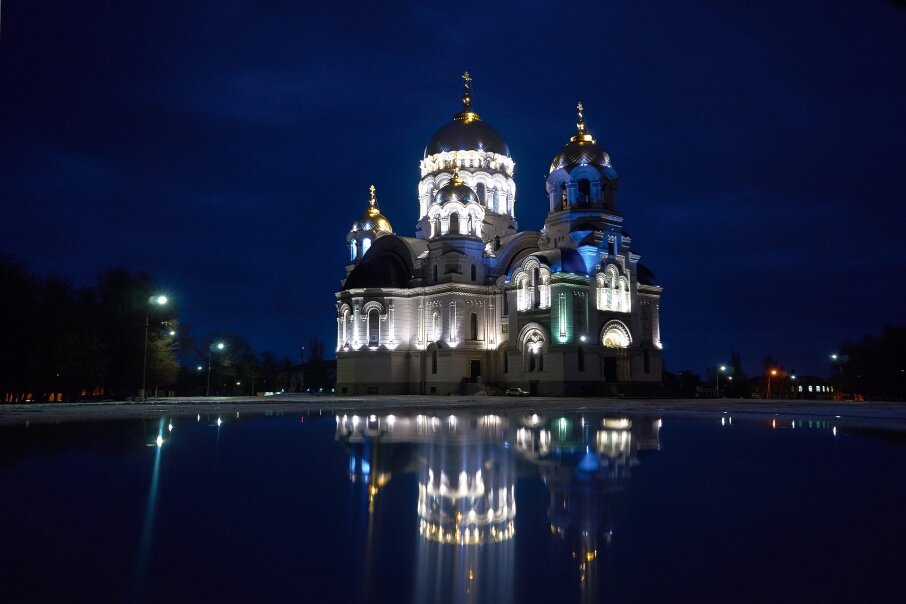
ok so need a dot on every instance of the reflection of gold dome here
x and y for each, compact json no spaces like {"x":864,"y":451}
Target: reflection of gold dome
{"x":372,"y":219}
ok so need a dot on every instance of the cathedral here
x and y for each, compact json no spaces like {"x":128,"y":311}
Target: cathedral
{"x":471,"y":303}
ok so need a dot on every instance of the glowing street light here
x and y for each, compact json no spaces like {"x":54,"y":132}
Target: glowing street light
{"x":721,"y":369}
{"x":153,"y":301}
{"x":218,"y":346}
{"x":772,"y":373}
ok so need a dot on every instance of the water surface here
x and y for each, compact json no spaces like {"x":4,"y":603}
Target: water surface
{"x":470,"y":507}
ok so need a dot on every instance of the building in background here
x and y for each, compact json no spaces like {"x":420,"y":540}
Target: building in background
{"x":471,"y":303}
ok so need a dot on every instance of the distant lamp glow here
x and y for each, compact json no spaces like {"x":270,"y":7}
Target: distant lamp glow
{"x":160,"y":440}
{"x":773,"y":372}
{"x":219,"y":422}
{"x":160,"y":300}
{"x":170,"y":427}
{"x":723,"y":367}
{"x":834,"y":357}
{"x":172,"y":333}
{"x":220,"y":345}
{"x":200,"y":368}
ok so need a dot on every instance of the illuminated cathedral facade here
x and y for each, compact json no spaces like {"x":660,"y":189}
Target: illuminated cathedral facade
{"x":471,"y":303}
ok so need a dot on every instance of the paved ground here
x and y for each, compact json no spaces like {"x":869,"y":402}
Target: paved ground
{"x":870,"y":415}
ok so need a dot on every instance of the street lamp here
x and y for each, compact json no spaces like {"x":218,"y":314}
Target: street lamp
{"x":153,"y":301}
{"x":717,"y":380}
{"x":218,"y":346}
{"x":771,"y":374}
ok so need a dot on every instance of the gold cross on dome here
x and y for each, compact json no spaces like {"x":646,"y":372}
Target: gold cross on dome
{"x":372,"y":200}
{"x":467,"y":78}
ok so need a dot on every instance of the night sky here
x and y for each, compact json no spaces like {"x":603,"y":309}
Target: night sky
{"x":225,"y":147}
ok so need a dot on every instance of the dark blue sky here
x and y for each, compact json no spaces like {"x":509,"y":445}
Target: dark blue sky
{"x":226,"y":146}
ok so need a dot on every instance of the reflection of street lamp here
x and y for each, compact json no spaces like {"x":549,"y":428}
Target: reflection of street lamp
{"x":153,"y":301}
{"x":218,"y":346}
{"x":717,"y":380}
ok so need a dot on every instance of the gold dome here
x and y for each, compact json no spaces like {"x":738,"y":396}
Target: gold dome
{"x":372,"y":219}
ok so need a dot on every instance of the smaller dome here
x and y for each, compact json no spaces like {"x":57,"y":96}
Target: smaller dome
{"x":581,"y":150}
{"x":580,"y":153}
{"x":372,"y":219}
{"x":456,"y":190}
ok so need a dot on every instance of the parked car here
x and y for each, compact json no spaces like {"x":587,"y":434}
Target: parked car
{"x":516,"y":392}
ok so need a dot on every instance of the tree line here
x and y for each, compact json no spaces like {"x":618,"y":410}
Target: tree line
{"x":62,"y":342}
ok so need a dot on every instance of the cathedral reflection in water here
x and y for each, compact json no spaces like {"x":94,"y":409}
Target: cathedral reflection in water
{"x":467,"y":465}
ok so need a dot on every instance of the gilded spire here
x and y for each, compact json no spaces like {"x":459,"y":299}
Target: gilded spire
{"x":467,"y":114}
{"x":372,"y":219}
{"x":581,"y":135}
{"x":457,"y":180}
{"x":467,"y":95}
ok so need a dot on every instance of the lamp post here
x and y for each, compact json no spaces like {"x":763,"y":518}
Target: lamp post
{"x":219,"y":346}
{"x":717,"y":380}
{"x":837,"y":360}
{"x":153,"y":301}
{"x":771,"y":374}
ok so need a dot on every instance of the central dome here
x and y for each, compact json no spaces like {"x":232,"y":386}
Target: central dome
{"x":467,"y":132}
{"x":464,"y":134}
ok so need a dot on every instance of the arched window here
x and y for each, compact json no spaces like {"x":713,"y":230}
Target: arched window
{"x":352,"y":250}
{"x":581,"y":359}
{"x":344,"y":330}
{"x":437,"y":227}
{"x":584,"y":190}
{"x":564,"y":203}
{"x":473,"y":326}
{"x":615,"y":335}
{"x":366,"y":243}
{"x":473,"y":272}
{"x":454,"y":224}
{"x":374,"y":327}
{"x":435,"y":326}
{"x":480,"y":191}
{"x":433,"y":361}
{"x":536,"y":288}
{"x":506,"y":361}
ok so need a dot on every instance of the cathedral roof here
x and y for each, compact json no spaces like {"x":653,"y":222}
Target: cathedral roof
{"x":456,"y":190}
{"x":644,"y":275}
{"x":467,"y":132}
{"x":582,"y":149}
{"x":372,"y":219}
{"x":563,"y":260}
